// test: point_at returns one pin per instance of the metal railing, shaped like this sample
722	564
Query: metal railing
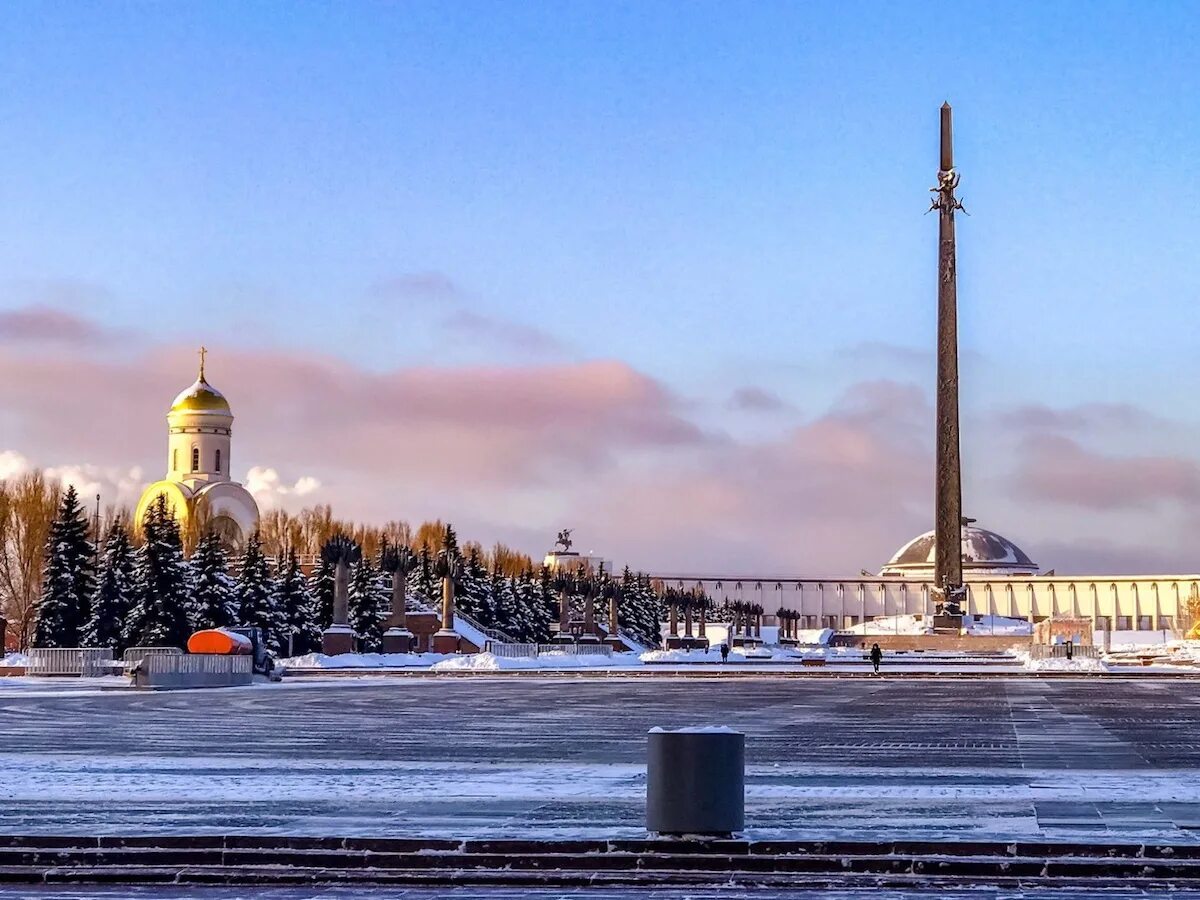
530	651
194	663
83	661
1059	651
133	655
494	634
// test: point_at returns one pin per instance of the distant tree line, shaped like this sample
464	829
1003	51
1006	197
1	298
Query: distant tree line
155	587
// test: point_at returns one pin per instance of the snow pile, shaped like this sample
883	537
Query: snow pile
998	625
1058	664
893	625
364	660
736	655
695	729
913	625
818	636
15	659
488	662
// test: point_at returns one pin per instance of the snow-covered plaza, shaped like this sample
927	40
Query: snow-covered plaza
961	759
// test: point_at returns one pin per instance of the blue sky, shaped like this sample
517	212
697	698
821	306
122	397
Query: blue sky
714	194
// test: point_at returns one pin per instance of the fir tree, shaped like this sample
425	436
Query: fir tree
299	606
258	604
158	617
366	611
114	591
69	581
214	602
320	586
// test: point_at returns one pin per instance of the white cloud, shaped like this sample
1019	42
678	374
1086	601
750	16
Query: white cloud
116	486
270	490
12	464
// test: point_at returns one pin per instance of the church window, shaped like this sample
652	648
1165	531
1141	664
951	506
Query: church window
175	460
195	459
218	460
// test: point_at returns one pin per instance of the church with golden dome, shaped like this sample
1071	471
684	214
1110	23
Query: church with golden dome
198	486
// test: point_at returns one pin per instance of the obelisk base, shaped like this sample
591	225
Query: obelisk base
397	640
338	639
445	642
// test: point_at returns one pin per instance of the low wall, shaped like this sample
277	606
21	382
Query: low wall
193	670
981	643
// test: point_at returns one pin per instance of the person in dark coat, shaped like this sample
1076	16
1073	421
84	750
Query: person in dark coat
876	657
725	652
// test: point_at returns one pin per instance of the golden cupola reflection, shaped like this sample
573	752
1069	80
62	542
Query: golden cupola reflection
200	396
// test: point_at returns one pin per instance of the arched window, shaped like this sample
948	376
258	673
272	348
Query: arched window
195	459
175	460
218	460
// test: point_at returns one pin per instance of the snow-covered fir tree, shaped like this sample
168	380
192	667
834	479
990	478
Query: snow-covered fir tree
424	589
299	606
114	591
258	603
214	601
69	580
366	612
159	616
320	585
472	594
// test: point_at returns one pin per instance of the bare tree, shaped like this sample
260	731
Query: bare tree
27	507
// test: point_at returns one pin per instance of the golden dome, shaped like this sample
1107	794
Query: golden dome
201	396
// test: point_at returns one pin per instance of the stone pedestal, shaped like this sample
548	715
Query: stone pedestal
338	639
745	640
587	638
685	642
445	642
947	623
397	640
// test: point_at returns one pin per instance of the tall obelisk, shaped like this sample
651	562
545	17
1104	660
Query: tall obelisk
948	522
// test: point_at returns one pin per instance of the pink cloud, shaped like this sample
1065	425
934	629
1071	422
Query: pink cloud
46	324
1059	470
1081	418
413	286
755	399
478	328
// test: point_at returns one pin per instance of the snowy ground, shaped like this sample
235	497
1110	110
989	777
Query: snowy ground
944	760
621	893
524	893
1127	656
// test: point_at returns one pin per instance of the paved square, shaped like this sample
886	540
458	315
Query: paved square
952	759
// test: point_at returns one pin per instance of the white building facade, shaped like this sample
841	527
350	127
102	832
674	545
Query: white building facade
1001	580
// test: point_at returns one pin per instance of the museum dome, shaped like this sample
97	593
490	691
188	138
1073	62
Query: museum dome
984	553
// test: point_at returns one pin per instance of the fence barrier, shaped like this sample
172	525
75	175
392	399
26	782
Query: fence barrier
163	670
134	655
529	651
1059	651
83	661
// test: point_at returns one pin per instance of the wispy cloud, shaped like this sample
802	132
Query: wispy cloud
755	399
47	325
500	333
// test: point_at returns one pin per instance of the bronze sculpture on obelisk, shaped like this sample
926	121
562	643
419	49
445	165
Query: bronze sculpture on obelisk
948	578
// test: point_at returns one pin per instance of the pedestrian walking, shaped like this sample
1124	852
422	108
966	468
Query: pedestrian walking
876	657
725	652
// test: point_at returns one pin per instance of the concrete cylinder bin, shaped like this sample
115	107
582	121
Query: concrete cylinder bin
696	781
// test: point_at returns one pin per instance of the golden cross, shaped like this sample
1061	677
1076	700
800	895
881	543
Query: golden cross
203	353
